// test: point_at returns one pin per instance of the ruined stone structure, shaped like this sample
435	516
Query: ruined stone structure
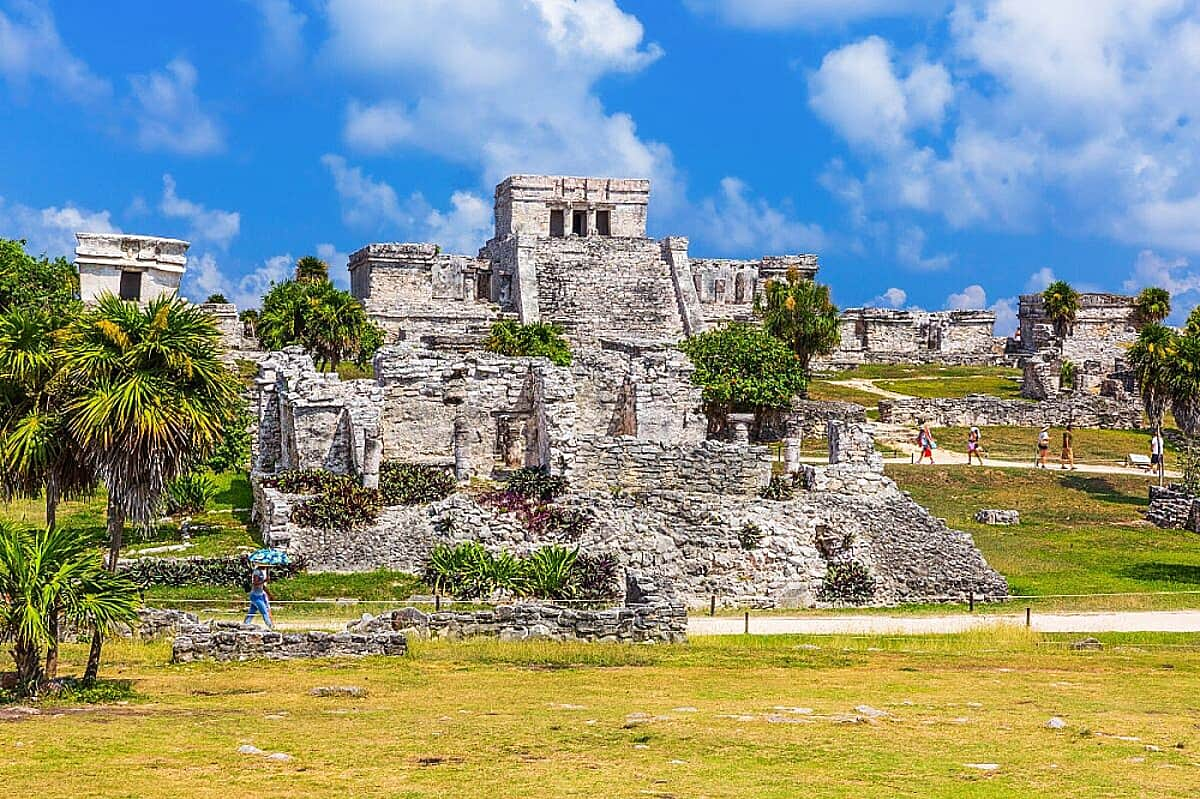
137	268
1095	343
1079	409
1173	507
885	335
231	641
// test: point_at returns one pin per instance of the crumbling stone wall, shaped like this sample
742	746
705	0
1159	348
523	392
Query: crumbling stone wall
885	335
659	622
1172	507
523	204
230	641
611	463
726	288
1081	410
1104	326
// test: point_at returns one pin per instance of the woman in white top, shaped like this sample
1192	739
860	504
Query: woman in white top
1043	446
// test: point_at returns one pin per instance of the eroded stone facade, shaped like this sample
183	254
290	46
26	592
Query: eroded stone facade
885	335
137	268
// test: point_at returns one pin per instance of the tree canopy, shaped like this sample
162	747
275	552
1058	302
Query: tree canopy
29	282
743	368
327	322
1153	304
1061	304
799	312
535	340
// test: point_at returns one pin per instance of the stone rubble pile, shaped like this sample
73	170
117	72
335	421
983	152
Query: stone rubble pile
231	641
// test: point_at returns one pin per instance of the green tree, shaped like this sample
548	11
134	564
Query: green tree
28	282
328	323
1061	304
1152	305
799	312
742	368
1151	358
249	320
536	339
48	573
216	299
311	269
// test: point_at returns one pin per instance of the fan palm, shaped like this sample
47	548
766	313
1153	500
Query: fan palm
311	269
1151	358
1152	305
328	323
46	573
800	312
1061	304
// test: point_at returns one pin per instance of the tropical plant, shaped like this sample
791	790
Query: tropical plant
742	368
532	340
249	320
779	488
850	581
534	482
47	574
344	505
1067	373
328	323
595	576
152	399
1151	359
800	312
1184	384
750	535
35	283
414	484
233	450
304	481
1060	303
1153	304
311	269
549	572
1192	326
189	494
216	299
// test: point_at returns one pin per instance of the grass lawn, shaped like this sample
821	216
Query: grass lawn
224	529
1002	386
1020	443
734	717
832	392
899	371
1078	533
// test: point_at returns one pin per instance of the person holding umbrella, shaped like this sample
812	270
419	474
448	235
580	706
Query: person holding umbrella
260	600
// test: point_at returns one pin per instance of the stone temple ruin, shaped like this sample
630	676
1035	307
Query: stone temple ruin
624	424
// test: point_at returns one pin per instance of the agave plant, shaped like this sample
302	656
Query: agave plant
550	571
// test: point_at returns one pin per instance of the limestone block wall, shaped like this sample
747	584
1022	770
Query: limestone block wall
102	257
660	622
806	419
1081	410
1104	326
632	464
225	315
230	641
523	203
1172	507
885	335
726	287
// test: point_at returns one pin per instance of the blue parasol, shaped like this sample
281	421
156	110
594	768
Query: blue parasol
268	557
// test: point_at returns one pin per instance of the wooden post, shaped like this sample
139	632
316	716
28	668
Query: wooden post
712	606
437	602
1028	619
747	626
971	602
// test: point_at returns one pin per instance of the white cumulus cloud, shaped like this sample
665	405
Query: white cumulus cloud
892	298
204	224
169	115
736	222
971	298
51	230
32	51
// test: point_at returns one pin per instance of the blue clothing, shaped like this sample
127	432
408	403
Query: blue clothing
259	604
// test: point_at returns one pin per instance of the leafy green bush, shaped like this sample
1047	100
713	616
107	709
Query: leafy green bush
1066	375
345	505
218	299
189	494
534	482
468	571
414	484
850	581
780	488
233	451
750	536
304	481
534	340
549	572
225	571
743	368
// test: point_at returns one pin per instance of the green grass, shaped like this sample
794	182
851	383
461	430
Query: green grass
1079	534
348	370
714	718
832	392
878	371
1020	443
950	387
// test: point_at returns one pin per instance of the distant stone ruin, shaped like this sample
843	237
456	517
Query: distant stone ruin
136	268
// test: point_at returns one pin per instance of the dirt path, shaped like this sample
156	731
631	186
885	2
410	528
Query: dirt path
1181	621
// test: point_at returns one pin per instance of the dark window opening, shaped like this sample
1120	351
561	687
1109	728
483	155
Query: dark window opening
557	224
131	286
579	223
602	223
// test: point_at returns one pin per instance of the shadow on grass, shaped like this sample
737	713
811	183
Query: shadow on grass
1155	571
1102	489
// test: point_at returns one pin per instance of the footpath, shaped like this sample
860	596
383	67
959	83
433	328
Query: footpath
1173	621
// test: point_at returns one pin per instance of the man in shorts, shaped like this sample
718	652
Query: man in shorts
1068	452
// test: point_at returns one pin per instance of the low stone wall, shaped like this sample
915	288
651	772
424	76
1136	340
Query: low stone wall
1088	410
662	623
806	419
1173	508
152	623
226	641
634	464
994	516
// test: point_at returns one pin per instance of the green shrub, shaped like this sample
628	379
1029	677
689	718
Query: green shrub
743	368
1066	375
304	481
225	571
534	482
233	451
595	576
414	484
468	571
345	505
189	494
850	581
534	340
750	536
549	571
780	488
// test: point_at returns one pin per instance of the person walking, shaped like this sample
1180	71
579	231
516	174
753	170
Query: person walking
1067	459
926	443
1156	454
974	445
1043	446
260	601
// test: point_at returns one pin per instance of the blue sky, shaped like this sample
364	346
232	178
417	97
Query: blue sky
935	154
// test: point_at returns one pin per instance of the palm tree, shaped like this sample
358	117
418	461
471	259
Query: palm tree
153	399
1151	359
1152	305
311	269
328	323
46	573
1061	304
800	312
